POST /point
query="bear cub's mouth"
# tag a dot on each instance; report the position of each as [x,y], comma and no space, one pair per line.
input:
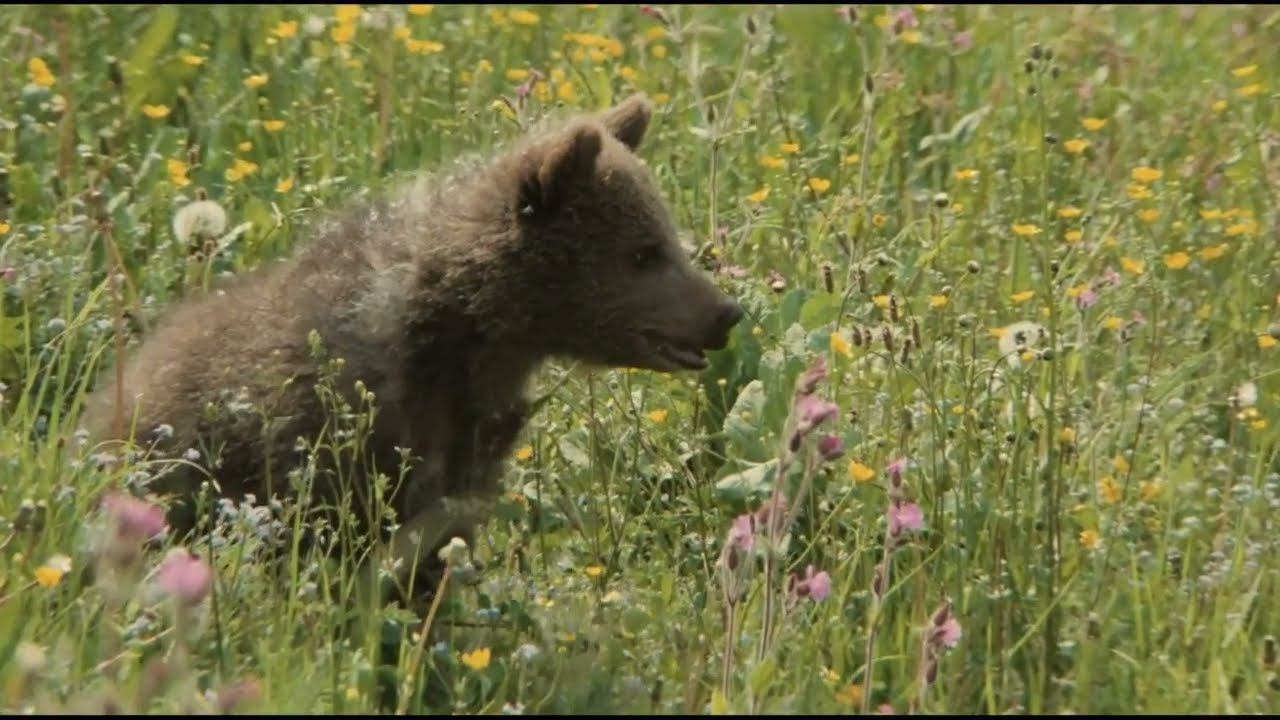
[682,354]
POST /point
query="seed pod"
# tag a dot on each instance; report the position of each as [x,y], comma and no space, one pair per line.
[828,281]
[887,337]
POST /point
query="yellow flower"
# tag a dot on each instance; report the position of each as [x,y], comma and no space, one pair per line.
[1073,236]
[910,37]
[524,453]
[661,99]
[1244,71]
[524,17]
[1075,146]
[938,302]
[790,148]
[241,169]
[861,473]
[1070,211]
[1021,297]
[1025,230]
[1148,215]
[4,228]
[883,21]
[1218,106]
[478,659]
[1146,175]
[285,29]
[284,185]
[352,693]
[1211,214]
[1066,436]
[819,185]
[1213,252]
[498,17]
[347,13]
[1259,424]
[657,32]
[177,173]
[1138,191]
[517,74]
[155,112]
[1090,539]
[772,162]
[423,47]
[879,220]
[273,125]
[594,571]
[850,696]
[840,345]
[1250,90]
[1110,490]
[256,81]
[1177,260]
[1244,228]
[1076,291]
[342,33]
[40,73]
[852,159]
[245,146]
[421,9]
[1266,342]
[1113,323]
[1133,266]
[1151,489]
[881,301]
[402,33]
[1120,464]
[759,195]
[193,60]
[48,577]
[966,174]
[567,92]
[658,416]
[1093,123]
[659,51]
[628,73]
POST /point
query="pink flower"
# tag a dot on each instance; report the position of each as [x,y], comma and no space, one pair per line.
[896,470]
[906,18]
[830,447]
[1085,91]
[949,632]
[962,40]
[815,585]
[185,577]
[1086,299]
[814,375]
[134,519]
[813,411]
[770,516]
[886,709]
[9,274]
[1111,276]
[907,516]
[742,535]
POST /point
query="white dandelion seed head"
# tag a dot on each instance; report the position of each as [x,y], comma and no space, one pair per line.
[1247,394]
[203,218]
[1024,335]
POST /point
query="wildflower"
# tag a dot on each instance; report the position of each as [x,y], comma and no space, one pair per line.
[815,585]
[241,169]
[819,185]
[1076,146]
[1213,252]
[1210,214]
[812,411]
[1218,106]
[177,172]
[881,301]
[1086,299]
[185,577]
[1113,323]
[1151,489]
[879,220]
[937,302]
[1093,124]
[1066,436]
[285,29]
[790,148]
[1244,71]
[771,162]
[911,37]
[1266,342]
[840,345]
[830,447]
[423,47]
[1021,297]
[945,630]
[40,73]
[155,112]
[455,553]
[1139,192]
[273,125]
[808,382]
[31,657]
[524,17]
[851,695]
[421,10]
[659,51]
[1025,230]
[1073,236]
[1019,336]
[5,228]
[896,470]
[905,517]
[1244,228]
[1110,490]
[1120,464]
[658,416]
[51,573]
[861,473]
[1090,539]
[1069,212]
[1133,266]
[203,218]
[1146,175]
[966,174]
[256,81]
[284,185]
[193,60]
[133,519]
[525,453]
[962,40]
[1177,260]
[852,159]
[1148,215]
[594,570]
[479,658]
[1250,90]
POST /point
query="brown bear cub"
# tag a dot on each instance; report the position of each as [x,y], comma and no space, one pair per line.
[442,301]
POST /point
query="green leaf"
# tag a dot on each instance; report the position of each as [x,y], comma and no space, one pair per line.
[742,488]
[743,424]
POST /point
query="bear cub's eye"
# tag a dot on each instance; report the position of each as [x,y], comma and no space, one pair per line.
[647,257]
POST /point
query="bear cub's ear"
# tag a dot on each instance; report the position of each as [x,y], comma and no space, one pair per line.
[629,120]
[547,175]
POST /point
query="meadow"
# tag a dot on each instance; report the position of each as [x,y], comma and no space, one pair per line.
[998,434]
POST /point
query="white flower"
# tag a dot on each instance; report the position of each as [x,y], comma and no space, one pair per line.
[1021,336]
[203,218]
[1247,395]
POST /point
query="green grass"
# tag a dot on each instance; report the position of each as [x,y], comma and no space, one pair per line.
[1101,516]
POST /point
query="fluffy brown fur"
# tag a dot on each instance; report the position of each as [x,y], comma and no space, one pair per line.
[443,301]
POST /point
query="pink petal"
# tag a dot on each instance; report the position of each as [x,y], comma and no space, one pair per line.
[949,632]
[907,516]
[819,585]
[134,519]
[185,576]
